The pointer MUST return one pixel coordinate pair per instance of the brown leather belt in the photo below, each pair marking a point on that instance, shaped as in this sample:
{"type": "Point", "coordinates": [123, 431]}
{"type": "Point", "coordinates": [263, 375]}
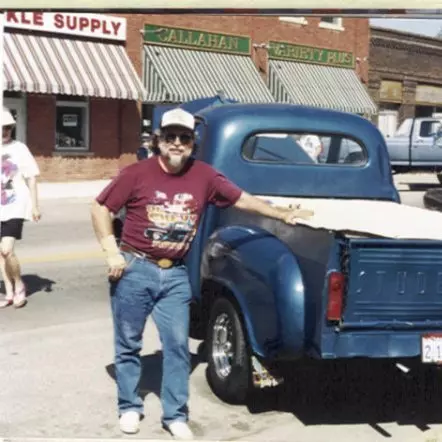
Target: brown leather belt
{"type": "Point", "coordinates": [163, 263]}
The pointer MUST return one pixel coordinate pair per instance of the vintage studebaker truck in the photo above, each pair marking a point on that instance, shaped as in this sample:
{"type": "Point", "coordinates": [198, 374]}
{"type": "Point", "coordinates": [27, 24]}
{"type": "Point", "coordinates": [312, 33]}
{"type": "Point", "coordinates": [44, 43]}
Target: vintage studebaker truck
{"type": "Point", "coordinates": [361, 279]}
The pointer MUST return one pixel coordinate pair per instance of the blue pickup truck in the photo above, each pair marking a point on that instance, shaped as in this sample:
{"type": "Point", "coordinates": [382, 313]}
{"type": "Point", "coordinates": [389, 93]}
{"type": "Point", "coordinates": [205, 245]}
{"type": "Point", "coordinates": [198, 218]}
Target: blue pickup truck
{"type": "Point", "coordinates": [340, 287]}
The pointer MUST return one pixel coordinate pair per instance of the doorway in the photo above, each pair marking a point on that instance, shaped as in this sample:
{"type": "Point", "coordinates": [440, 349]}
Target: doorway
{"type": "Point", "coordinates": [17, 106]}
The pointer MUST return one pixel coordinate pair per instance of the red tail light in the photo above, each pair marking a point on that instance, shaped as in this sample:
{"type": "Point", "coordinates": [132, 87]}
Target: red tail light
{"type": "Point", "coordinates": [336, 283]}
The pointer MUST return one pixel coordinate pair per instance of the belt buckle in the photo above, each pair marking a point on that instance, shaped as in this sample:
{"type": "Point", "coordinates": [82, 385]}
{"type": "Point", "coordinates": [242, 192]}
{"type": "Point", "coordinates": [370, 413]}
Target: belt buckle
{"type": "Point", "coordinates": [165, 263]}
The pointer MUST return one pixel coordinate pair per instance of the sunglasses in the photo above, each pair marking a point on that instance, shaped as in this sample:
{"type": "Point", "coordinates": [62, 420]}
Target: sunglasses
{"type": "Point", "coordinates": [170, 138]}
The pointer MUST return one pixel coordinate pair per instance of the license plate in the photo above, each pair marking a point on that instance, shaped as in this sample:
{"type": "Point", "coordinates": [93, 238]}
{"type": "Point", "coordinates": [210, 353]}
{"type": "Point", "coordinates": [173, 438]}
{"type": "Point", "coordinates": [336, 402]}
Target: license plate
{"type": "Point", "coordinates": [432, 349]}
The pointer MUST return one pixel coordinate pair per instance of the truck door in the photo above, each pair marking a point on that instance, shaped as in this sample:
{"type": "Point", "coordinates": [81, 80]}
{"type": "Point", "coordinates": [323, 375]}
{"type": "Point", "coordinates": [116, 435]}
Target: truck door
{"type": "Point", "coordinates": [426, 148]}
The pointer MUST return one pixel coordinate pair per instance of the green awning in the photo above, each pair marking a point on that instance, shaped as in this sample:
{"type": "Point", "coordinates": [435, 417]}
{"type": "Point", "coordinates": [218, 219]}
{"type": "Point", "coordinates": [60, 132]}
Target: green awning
{"type": "Point", "coordinates": [319, 86]}
{"type": "Point", "coordinates": [179, 75]}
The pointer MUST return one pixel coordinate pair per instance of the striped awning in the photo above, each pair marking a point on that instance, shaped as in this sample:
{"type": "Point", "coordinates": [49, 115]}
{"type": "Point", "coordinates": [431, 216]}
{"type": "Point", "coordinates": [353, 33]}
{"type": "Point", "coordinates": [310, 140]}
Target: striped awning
{"type": "Point", "coordinates": [179, 75]}
{"type": "Point", "coordinates": [319, 86]}
{"type": "Point", "coordinates": [49, 65]}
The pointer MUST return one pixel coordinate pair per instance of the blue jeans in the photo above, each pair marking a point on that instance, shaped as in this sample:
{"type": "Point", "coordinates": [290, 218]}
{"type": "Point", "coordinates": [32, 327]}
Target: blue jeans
{"type": "Point", "coordinates": [143, 289]}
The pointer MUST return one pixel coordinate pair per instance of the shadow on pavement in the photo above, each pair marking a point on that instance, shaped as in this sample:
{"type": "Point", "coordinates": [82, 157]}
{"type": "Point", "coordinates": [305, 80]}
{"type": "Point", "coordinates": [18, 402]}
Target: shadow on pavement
{"type": "Point", "coordinates": [333, 393]}
{"type": "Point", "coordinates": [34, 284]}
{"type": "Point", "coordinates": [422, 187]}
{"type": "Point", "coordinates": [152, 372]}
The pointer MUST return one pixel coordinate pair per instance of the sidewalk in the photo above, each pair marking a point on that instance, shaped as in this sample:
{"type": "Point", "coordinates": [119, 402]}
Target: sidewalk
{"type": "Point", "coordinates": [90, 189]}
{"type": "Point", "coordinates": [78, 189]}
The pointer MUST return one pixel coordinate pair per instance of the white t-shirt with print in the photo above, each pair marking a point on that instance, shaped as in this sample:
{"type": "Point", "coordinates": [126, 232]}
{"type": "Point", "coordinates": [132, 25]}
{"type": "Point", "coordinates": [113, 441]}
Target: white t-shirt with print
{"type": "Point", "coordinates": [17, 165]}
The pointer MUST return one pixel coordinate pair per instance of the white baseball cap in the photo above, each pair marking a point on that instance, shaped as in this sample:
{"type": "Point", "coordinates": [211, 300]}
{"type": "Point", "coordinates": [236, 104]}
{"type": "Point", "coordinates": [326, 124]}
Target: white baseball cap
{"type": "Point", "coordinates": [178, 117]}
{"type": "Point", "coordinates": [7, 118]}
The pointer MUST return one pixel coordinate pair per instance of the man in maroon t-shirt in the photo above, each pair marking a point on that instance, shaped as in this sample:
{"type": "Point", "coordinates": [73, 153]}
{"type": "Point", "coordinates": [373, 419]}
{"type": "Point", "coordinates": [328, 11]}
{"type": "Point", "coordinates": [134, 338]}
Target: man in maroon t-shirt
{"type": "Point", "coordinates": [165, 197]}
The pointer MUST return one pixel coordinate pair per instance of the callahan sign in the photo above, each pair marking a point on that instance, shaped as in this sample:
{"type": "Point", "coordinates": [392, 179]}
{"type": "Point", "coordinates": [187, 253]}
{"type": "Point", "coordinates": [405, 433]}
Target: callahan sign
{"type": "Point", "coordinates": [308, 54]}
{"type": "Point", "coordinates": [195, 39]}
{"type": "Point", "coordinates": [84, 25]}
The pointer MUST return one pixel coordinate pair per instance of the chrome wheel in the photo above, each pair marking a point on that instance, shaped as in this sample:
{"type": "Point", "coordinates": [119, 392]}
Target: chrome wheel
{"type": "Point", "coordinates": [222, 345]}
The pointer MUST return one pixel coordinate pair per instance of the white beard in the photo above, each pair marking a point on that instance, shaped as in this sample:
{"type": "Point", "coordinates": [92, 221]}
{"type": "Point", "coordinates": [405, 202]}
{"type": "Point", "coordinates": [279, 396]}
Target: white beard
{"type": "Point", "coordinates": [175, 160]}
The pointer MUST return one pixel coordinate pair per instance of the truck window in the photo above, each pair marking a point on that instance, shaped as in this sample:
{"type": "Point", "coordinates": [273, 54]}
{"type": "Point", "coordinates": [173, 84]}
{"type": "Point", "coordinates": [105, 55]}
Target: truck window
{"type": "Point", "coordinates": [304, 148]}
{"type": "Point", "coordinates": [429, 128]}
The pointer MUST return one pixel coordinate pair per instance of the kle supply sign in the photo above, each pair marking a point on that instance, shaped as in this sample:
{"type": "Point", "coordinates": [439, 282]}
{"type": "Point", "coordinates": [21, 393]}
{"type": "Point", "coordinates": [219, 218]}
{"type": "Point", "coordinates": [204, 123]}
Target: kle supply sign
{"type": "Point", "coordinates": [84, 25]}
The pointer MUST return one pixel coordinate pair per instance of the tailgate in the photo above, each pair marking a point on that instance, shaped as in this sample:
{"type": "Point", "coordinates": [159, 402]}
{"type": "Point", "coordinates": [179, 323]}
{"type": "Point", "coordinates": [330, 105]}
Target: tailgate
{"type": "Point", "coordinates": [393, 284]}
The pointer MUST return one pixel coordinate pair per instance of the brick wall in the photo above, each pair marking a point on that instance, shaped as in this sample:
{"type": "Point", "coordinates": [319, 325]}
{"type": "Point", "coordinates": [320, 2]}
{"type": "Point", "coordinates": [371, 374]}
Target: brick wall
{"type": "Point", "coordinates": [409, 58]}
{"type": "Point", "coordinates": [114, 138]}
{"type": "Point", "coordinates": [399, 55]}
{"type": "Point", "coordinates": [355, 38]}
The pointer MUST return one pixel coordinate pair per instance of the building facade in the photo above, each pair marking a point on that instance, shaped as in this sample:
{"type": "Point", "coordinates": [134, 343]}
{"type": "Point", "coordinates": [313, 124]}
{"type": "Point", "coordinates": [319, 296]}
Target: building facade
{"type": "Point", "coordinates": [83, 97]}
{"type": "Point", "coordinates": [304, 60]}
{"type": "Point", "coordinates": [74, 92]}
{"type": "Point", "coordinates": [405, 77]}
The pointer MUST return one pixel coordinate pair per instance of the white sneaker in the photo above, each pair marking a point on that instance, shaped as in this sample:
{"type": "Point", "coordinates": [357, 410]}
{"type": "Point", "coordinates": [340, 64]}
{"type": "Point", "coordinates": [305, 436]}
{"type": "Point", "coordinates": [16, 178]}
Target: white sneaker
{"type": "Point", "coordinates": [180, 430]}
{"type": "Point", "coordinates": [129, 422]}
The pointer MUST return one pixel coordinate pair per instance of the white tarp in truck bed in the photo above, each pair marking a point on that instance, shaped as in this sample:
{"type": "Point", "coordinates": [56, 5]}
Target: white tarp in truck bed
{"type": "Point", "coordinates": [379, 218]}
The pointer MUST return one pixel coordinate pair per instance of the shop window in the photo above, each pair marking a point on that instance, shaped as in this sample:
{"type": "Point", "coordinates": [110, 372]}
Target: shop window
{"type": "Point", "coordinates": [334, 23]}
{"type": "Point", "coordinates": [72, 125]}
{"type": "Point", "coordinates": [305, 148]}
{"type": "Point", "coordinates": [296, 20]}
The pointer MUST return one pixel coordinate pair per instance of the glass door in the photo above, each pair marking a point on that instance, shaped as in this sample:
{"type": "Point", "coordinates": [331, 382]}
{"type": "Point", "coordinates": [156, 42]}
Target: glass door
{"type": "Point", "coordinates": [17, 106]}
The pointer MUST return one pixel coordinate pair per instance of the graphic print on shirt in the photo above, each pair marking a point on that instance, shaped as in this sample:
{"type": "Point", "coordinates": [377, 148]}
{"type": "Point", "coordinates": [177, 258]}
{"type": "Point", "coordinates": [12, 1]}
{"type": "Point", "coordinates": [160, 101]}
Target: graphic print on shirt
{"type": "Point", "coordinates": [172, 222]}
{"type": "Point", "coordinates": [9, 171]}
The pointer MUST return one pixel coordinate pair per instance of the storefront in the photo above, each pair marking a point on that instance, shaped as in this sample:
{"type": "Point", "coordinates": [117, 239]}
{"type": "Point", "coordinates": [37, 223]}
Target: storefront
{"type": "Point", "coordinates": [186, 64]}
{"type": "Point", "coordinates": [402, 81]}
{"type": "Point", "coordinates": [74, 91]}
{"type": "Point", "coordinates": [390, 98]}
{"type": "Point", "coordinates": [317, 77]}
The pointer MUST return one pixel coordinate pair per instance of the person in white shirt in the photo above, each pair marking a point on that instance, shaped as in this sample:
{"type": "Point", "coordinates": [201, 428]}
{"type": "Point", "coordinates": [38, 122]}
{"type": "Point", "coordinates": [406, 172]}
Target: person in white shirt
{"type": "Point", "coordinates": [19, 203]}
{"type": "Point", "coordinates": [312, 146]}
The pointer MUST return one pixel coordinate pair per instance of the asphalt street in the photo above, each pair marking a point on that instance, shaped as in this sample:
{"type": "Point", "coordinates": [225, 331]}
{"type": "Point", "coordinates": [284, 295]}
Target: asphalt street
{"type": "Point", "coordinates": [56, 372]}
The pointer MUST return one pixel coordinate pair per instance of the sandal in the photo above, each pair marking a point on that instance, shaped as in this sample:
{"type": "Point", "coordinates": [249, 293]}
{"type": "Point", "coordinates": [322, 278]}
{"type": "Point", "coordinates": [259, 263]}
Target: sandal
{"type": "Point", "coordinates": [6, 301]}
{"type": "Point", "coordinates": [20, 298]}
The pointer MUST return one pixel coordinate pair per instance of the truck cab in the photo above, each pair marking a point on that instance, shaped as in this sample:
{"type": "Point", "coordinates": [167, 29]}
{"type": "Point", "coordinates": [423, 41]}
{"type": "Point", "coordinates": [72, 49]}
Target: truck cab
{"type": "Point", "coordinates": [416, 145]}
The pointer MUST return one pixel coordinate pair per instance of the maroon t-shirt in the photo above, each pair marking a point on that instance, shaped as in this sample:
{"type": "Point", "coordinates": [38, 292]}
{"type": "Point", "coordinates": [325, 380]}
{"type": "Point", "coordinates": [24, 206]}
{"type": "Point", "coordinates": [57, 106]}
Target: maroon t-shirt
{"type": "Point", "coordinates": [163, 210]}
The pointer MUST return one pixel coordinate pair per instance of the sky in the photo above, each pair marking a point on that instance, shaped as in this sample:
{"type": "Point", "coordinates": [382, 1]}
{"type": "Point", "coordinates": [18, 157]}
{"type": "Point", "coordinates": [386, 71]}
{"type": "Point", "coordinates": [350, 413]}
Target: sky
{"type": "Point", "coordinates": [429, 27]}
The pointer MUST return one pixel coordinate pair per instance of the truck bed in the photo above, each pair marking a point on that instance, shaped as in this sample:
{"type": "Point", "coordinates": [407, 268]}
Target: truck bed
{"type": "Point", "coordinates": [391, 256]}
{"type": "Point", "coordinates": [384, 219]}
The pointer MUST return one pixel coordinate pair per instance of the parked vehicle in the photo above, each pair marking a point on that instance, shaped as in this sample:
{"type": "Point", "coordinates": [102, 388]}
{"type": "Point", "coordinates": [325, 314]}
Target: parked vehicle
{"type": "Point", "coordinates": [417, 146]}
{"type": "Point", "coordinates": [355, 282]}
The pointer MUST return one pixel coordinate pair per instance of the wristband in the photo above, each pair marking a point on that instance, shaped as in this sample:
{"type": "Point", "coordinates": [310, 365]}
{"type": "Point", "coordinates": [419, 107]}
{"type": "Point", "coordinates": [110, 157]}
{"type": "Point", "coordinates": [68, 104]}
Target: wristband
{"type": "Point", "coordinates": [109, 245]}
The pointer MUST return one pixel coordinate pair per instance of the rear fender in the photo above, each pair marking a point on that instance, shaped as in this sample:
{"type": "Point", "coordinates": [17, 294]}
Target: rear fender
{"type": "Point", "coordinates": [264, 277]}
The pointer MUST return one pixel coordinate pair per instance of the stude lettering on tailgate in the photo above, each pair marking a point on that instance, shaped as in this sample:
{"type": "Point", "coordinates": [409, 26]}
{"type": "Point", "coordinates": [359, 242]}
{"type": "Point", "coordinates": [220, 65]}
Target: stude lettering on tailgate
{"type": "Point", "coordinates": [406, 282]}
